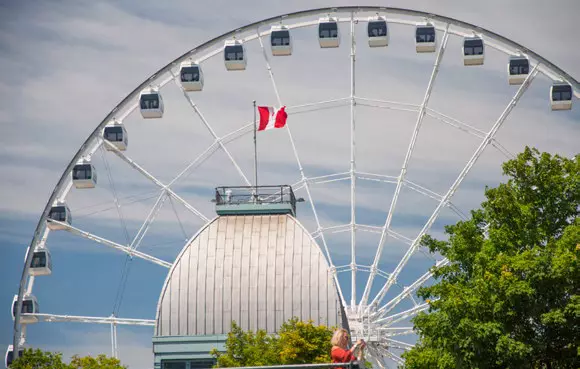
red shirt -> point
(340, 355)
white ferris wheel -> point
(354, 156)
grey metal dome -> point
(257, 270)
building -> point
(254, 264)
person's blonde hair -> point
(337, 337)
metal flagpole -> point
(255, 152)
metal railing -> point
(350, 365)
(238, 195)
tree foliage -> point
(38, 359)
(510, 297)
(297, 342)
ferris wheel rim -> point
(93, 137)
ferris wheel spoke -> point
(365, 176)
(210, 129)
(476, 155)
(387, 104)
(335, 177)
(157, 182)
(112, 244)
(114, 192)
(395, 318)
(150, 218)
(401, 179)
(54, 318)
(395, 358)
(352, 161)
(456, 123)
(303, 177)
(399, 344)
(407, 291)
(196, 162)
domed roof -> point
(258, 271)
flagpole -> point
(255, 152)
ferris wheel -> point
(190, 125)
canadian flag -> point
(270, 118)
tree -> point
(510, 297)
(297, 343)
(38, 359)
(99, 362)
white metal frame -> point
(372, 319)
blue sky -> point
(65, 64)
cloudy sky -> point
(66, 64)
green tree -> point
(510, 297)
(99, 362)
(38, 359)
(297, 343)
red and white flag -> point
(270, 118)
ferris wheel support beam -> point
(54, 318)
(401, 179)
(150, 217)
(104, 241)
(149, 176)
(476, 155)
(301, 169)
(407, 291)
(395, 318)
(352, 161)
(399, 344)
(210, 129)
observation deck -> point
(252, 200)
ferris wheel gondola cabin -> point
(518, 69)
(116, 134)
(84, 175)
(235, 55)
(378, 32)
(151, 104)
(280, 40)
(29, 306)
(473, 51)
(9, 357)
(41, 263)
(561, 96)
(191, 76)
(328, 35)
(425, 38)
(61, 213)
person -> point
(340, 353)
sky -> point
(66, 64)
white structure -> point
(280, 40)
(473, 51)
(425, 38)
(151, 104)
(116, 134)
(257, 270)
(518, 69)
(84, 174)
(29, 306)
(191, 76)
(378, 31)
(61, 213)
(328, 33)
(41, 263)
(561, 96)
(235, 55)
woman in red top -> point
(339, 352)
